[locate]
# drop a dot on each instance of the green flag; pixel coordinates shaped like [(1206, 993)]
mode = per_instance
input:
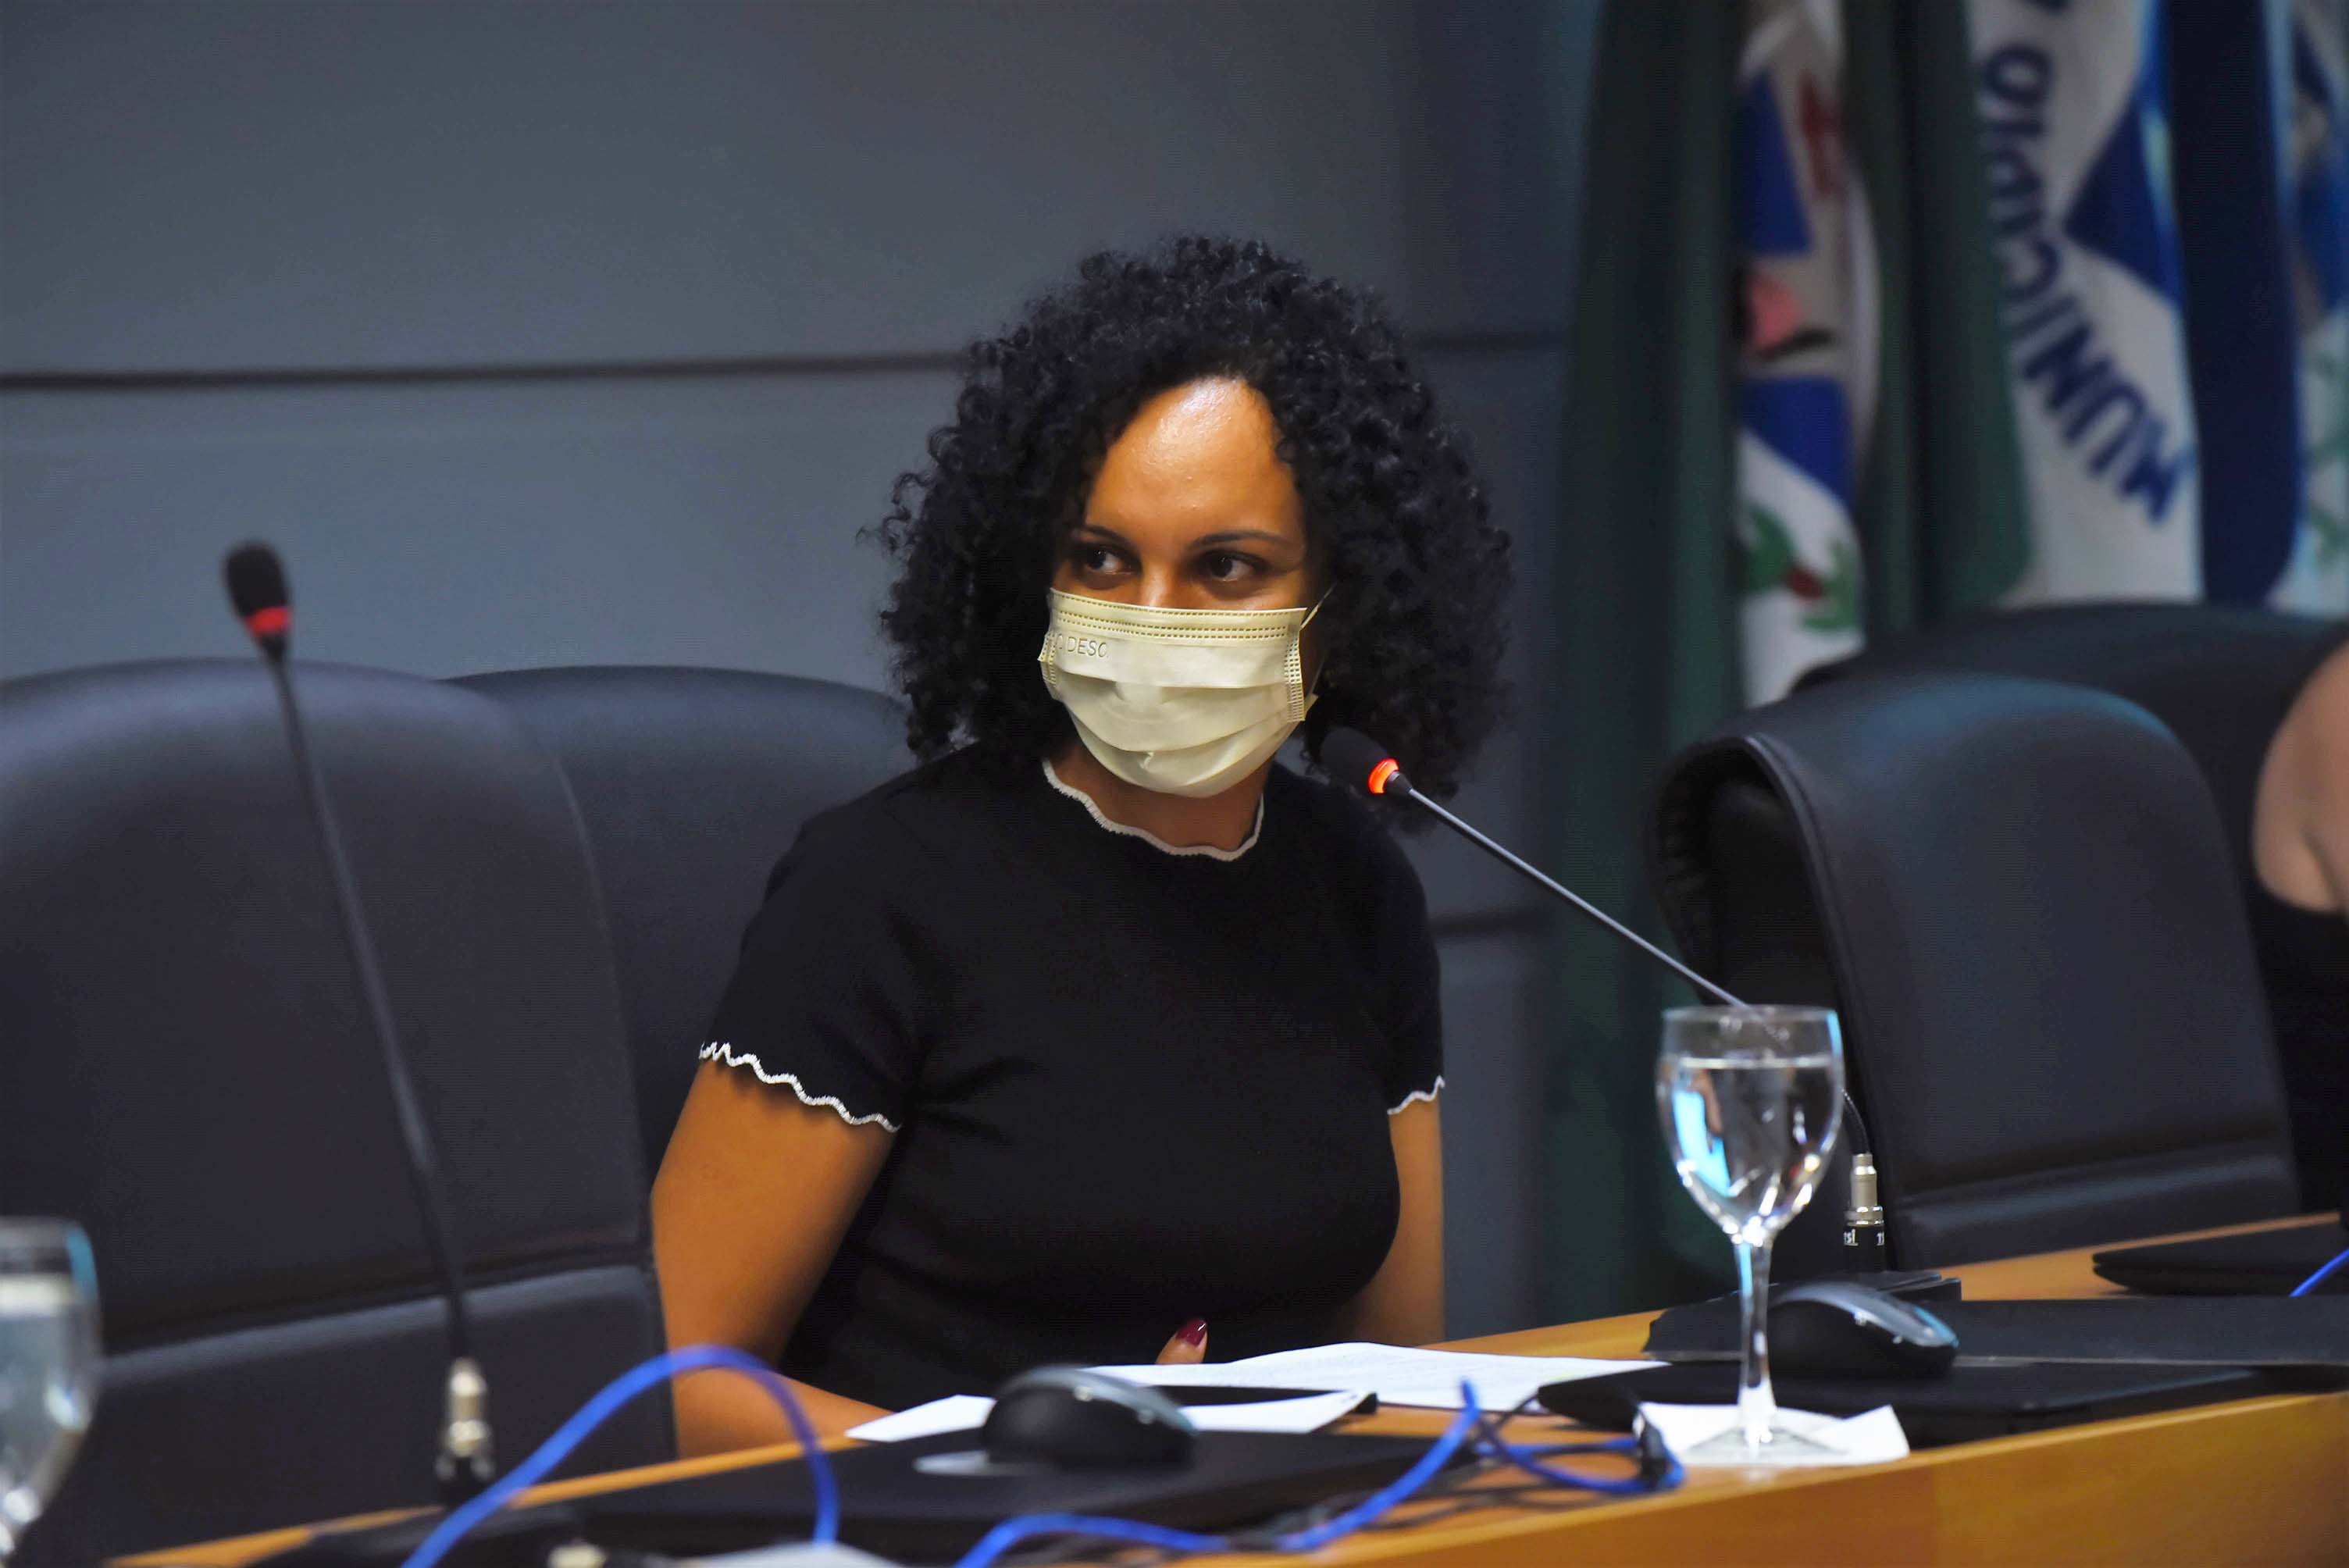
[(1647, 618), (1646, 647), (1943, 523)]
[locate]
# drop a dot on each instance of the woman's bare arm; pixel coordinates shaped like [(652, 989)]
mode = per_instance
[(753, 1197), (1403, 1303)]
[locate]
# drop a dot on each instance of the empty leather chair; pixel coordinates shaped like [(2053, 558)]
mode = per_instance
[(2221, 678), (2018, 896), (191, 1076), (692, 783)]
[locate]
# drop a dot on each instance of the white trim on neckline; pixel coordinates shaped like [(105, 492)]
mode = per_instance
[(1147, 837)]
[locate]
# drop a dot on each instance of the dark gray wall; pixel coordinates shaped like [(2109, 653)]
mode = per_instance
[(538, 333)]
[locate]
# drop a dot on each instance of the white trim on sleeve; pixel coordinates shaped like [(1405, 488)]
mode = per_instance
[(725, 1055), (1429, 1092)]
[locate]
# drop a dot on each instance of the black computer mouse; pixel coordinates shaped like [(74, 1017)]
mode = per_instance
[(1835, 1328), (1074, 1420)]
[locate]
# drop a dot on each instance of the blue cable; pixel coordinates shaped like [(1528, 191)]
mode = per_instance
[(650, 1374), (1490, 1444), (2320, 1276), (1011, 1531), (1529, 1459), (1472, 1425), (1387, 1496)]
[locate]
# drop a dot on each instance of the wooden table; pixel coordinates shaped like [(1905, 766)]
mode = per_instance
[(2256, 1481)]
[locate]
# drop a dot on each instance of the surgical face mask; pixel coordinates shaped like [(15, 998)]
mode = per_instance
[(1184, 702)]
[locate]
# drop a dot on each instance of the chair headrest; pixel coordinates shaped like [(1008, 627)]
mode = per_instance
[(2219, 678), (192, 1072), (692, 783)]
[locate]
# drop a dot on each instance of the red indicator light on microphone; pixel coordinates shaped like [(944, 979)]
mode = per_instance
[(272, 621), (1387, 768)]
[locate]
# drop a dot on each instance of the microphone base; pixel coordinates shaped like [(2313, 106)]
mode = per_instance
[(464, 1469), (1864, 1250)]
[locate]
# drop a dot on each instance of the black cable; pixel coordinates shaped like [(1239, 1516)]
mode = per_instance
[(423, 1161), (1526, 869), (1860, 1144), (1858, 1140)]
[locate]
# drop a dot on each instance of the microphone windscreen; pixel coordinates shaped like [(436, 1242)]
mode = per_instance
[(256, 581), (1354, 758)]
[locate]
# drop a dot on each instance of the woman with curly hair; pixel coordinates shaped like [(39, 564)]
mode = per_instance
[(1101, 1025)]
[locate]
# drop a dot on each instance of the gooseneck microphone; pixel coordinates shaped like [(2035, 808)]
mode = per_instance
[(256, 587), (1352, 756)]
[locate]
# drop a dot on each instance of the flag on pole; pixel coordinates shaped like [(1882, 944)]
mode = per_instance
[(1944, 527), (2070, 98), (1807, 331), (1648, 637), (1645, 629), (2316, 184), (2227, 172)]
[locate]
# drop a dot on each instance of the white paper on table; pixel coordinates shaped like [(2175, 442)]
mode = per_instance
[(955, 1413), (968, 1412), (1872, 1438), (1398, 1375), (1309, 1414)]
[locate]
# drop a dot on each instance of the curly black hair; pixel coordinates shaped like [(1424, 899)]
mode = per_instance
[(1418, 573)]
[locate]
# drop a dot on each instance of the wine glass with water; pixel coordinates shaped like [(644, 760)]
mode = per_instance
[(48, 1364), (1750, 1098)]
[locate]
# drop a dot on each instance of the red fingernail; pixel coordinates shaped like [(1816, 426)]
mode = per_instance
[(1193, 1332)]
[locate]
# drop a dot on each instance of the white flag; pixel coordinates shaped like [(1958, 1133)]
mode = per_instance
[(1807, 356), (2072, 101), (2316, 203)]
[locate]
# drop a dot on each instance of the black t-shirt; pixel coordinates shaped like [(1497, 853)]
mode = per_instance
[(1128, 1085)]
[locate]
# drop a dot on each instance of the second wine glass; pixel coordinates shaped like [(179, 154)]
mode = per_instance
[(48, 1364)]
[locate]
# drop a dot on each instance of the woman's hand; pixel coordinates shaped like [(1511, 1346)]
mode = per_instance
[(1189, 1346)]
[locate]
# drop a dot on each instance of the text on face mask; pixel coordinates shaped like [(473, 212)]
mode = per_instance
[(1083, 647)]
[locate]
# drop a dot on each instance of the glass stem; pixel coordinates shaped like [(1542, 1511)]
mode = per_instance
[(1757, 1408)]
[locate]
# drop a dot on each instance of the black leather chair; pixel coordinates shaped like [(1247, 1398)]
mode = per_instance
[(692, 783), (2018, 895), (2221, 678), (190, 1076)]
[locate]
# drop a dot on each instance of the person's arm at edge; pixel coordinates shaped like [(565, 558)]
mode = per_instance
[(2327, 828), (2299, 821)]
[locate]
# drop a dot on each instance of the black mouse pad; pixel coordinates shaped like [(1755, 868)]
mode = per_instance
[(1964, 1404), (2239, 1331), (2263, 1263), (891, 1505)]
